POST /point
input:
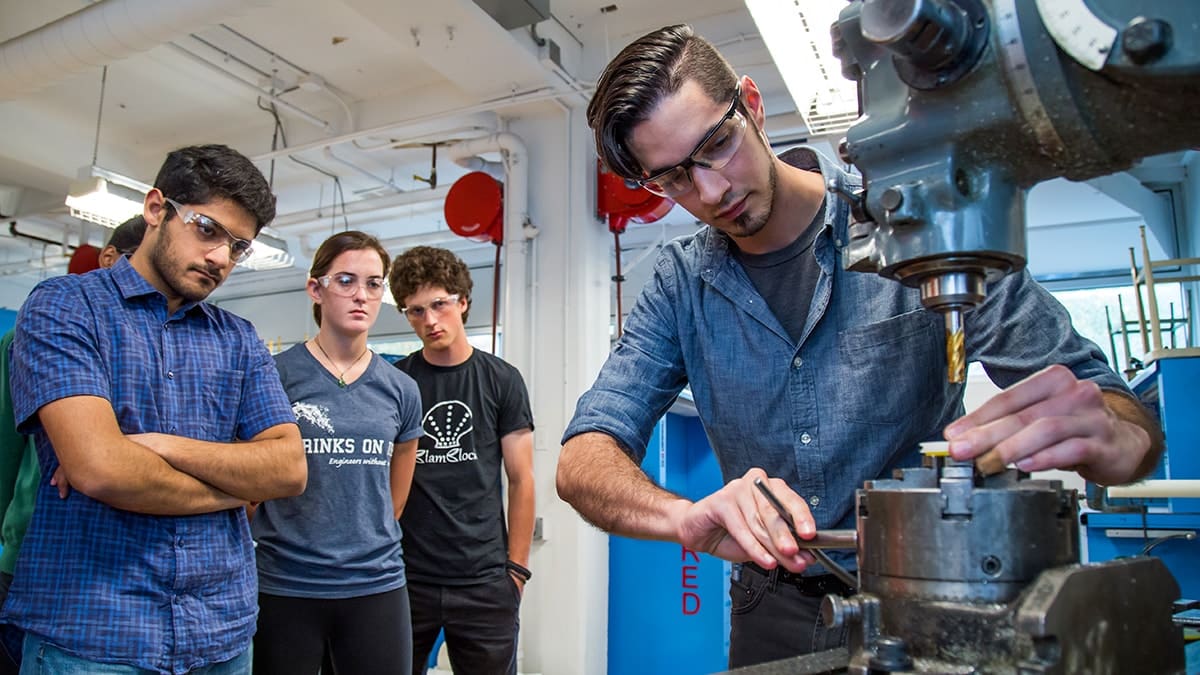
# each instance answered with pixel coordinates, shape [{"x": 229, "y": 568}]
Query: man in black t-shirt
[{"x": 466, "y": 569}]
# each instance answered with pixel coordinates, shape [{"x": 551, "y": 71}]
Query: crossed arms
[{"x": 161, "y": 474}]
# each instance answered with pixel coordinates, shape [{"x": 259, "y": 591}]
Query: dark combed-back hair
[
  {"x": 429, "y": 266},
  {"x": 199, "y": 174},
  {"x": 331, "y": 248},
  {"x": 650, "y": 69}
]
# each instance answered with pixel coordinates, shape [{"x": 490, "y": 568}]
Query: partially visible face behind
[
  {"x": 357, "y": 312},
  {"x": 438, "y": 330},
  {"x": 736, "y": 199},
  {"x": 190, "y": 269}
]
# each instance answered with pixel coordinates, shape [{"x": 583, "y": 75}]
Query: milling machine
[{"x": 965, "y": 105}]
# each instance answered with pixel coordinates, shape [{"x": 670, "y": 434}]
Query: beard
[
  {"x": 174, "y": 272},
  {"x": 751, "y": 223}
]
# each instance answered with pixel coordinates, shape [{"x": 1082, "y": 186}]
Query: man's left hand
[{"x": 1052, "y": 420}]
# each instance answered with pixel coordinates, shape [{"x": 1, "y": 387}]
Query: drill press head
[{"x": 966, "y": 104}]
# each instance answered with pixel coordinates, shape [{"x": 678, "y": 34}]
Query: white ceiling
[{"x": 399, "y": 75}]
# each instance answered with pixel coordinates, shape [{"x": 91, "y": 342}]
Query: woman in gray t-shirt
[{"x": 331, "y": 573}]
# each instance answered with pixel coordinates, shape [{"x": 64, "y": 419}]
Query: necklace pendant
[{"x": 341, "y": 383}]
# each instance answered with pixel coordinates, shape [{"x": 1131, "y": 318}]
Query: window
[{"x": 1087, "y": 308}]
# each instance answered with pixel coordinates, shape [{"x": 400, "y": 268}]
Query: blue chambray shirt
[
  {"x": 168, "y": 594},
  {"x": 851, "y": 401}
]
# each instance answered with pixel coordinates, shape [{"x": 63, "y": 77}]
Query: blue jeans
[{"x": 42, "y": 658}]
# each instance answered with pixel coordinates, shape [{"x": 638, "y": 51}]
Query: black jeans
[
  {"x": 776, "y": 615},
  {"x": 362, "y": 636},
  {"x": 480, "y": 620}
]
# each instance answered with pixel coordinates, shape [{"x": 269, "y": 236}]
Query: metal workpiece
[
  {"x": 1114, "y": 617},
  {"x": 831, "y": 539},
  {"x": 961, "y": 538},
  {"x": 969, "y": 103},
  {"x": 962, "y": 573}
]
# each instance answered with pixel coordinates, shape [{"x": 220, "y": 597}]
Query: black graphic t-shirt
[{"x": 454, "y": 523}]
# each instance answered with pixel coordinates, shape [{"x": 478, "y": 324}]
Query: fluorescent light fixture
[
  {"x": 268, "y": 252},
  {"x": 797, "y": 35},
  {"x": 100, "y": 201}
]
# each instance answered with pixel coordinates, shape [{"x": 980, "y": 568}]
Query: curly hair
[
  {"x": 647, "y": 71},
  {"x": 423, "y": 266}
]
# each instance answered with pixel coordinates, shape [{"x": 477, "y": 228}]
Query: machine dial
[{"x": 1078, "y": 31}]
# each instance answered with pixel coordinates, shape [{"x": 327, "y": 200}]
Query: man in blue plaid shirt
[{"x": 157, "y": 418}]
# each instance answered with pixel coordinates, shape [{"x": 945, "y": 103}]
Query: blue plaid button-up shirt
[{"x": 168, "y": 594}]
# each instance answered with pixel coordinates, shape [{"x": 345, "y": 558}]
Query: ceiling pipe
[
  {"x": 493, "y": 169},
  {"x": 66, "y": 247},
  {"x": 385, "y": 182},
  {"x": 101, "y": 34},
  {"x": 409, "y": 198},
  {"x": 254, "y": 89},
  {"x": 489, "y": 106}
]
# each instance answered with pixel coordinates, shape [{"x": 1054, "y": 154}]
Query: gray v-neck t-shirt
[{"x": 339, "y": 539}]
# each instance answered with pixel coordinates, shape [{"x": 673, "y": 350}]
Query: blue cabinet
[
  {"x": 668, "y": 606},
  {"x": 1124, "y": 527}
]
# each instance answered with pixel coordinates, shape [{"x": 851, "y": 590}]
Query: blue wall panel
[{"x": 668, "y": 606}]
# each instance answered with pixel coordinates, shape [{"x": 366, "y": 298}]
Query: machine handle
[{"x": 835, "y": 539}]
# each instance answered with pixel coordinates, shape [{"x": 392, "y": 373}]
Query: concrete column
[{"x": 559, "y": 339}]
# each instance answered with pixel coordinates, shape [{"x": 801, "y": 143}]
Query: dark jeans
[
  {"x": 480, "y": 621},
  {"x": 367, "y": 635},
  {"x": 776, "y": 615}
]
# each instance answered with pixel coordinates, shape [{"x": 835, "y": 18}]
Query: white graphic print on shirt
[
  {"x": 316, "y": 415},
  {"x": 447, "y": 423}
]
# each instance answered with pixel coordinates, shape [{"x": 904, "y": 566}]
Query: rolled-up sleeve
[
  {"x": 1021, "y": 328},
  {"x": 644, "y": 372}
]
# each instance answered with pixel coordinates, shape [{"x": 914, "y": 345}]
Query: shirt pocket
[
  {"x": 212, "y": 399},
  {"x": 891, "y": 370}
]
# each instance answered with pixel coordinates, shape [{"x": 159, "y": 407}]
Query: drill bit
[{"x": 956, "y": 348}]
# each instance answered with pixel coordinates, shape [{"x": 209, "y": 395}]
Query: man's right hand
[{"x": 738, "y": 524}]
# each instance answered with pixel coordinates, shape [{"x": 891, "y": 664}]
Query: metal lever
[{"x": 837, "y": 570}]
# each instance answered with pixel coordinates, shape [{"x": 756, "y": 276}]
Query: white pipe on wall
[
  {"x": 1155, "y": 489},
  {"x": 517, "y": 232}
]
